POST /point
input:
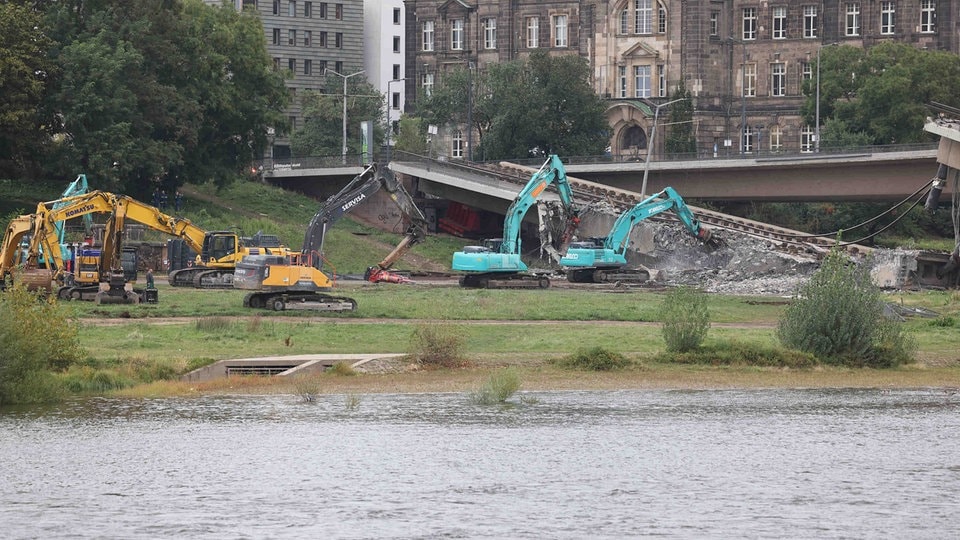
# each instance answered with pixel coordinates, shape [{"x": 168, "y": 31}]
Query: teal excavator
[
  {"x": 603, "y": 259},
  {"x": 497, "y": 262}
]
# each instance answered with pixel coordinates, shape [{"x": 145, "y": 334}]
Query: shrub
[
  {"x": 943, "y": 321},
  {"x": 686, "y": 319},
  {"x": 741, "y": 354},
  {"x": 838, "y": 317},
  {"x": 498, "y": 387},
  {"x": 594, "y": 359},
  {"x": 307, "y": 387},
  {"x": 36, "y": 338},
  {"x": 342, "y": 369},
  {"x": 437, "y": 346}
]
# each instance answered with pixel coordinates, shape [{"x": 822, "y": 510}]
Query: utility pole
[{"x": 650, "y": 144}]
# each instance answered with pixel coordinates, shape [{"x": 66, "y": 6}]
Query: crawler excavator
[
  {"x": 599, "y": 260},
  {"x": 297, "y": 281},
  {"x": 496, "y": 263}
]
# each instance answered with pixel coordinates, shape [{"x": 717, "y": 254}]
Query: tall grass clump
[
  {"x": 37, "y": 338},
  {"x": 437, "y": 345},
  {"x": 685, "y": 317},
  {"x": 307, "y": 387},
  {"x": 214, "y": 324},
  {"x": 593, "y": 359},
  {"x": 498, "y": 388},
  {"x": 838, "y": 317}
]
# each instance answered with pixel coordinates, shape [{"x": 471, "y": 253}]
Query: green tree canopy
[
  {"x": 322, "y": 131},
  {"x": 523, "y": 108},
  {"x": 160, "y": 92},
  {"x": 881, "y": 93},
  {"x": 24, "y": 69},
  {"x": 680, "y": 138}
]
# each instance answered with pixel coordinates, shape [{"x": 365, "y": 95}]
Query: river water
[{"x": 673, "y": 464}]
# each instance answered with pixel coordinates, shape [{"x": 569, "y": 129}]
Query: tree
[
  {"x": 680, "y": 138},
  {"x": 523, "y": 108},
  {"x": 412, "y": 135},
  {"x": 24, "y": 69},
  {"x": 881, "y": 93},
  {"x": 322, "y": 131},
  {"x": 160, "y": 93}
]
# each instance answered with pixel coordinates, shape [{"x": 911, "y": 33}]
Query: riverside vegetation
[{"x": 461, "y": 339}]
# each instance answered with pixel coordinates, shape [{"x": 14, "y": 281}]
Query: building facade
[
  {"x": 383, "y": 55},
  {"x": 743, "y": 61}
]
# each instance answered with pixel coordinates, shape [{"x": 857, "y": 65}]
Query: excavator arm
[
  {"x": 664, "y": 201},
  {"x": 551, "y": 172}
]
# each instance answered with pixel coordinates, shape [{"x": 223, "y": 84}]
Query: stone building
[{"x": 743, "y": 61}]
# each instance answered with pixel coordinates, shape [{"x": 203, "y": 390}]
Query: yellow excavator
[{"x": 297, "y": 281}]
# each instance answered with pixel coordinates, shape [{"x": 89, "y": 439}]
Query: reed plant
[{"x": 498, "y": 387}]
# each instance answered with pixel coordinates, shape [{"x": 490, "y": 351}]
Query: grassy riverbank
[{"x": 499, "y": 328}]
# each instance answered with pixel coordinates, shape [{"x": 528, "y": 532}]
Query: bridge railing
[{"x": 356, "y": 160}]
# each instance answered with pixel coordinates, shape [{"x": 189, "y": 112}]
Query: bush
[
  {"x": 498, "y": 388},
  {"x": 686, "y": 319},
  {"x": 741, "y": 354},
  {"x": 36, "y": 339},
  {"x": 594, "y": 359},
  {"x": 838, "y": 317},
  {"x": 437, "y": 346}
]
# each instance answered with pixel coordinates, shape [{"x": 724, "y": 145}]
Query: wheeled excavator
[
  {"x": 497, "y": 262},
  {"x": 603, "y": 259},
  {"x": 297, "y": 281}
]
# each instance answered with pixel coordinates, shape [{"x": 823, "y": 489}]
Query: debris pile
[{"x": 742, "y": 264}]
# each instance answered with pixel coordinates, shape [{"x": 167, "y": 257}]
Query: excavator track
[{"x": 281, "y": 301}]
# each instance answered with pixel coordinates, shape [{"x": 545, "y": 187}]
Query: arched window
[
  {"x": 625, "y": 21},
  {"x": 634, "y": 137}
]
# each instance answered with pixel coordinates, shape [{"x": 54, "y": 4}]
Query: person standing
[
  {"x": 150, "y": 278},
  {"x": 163, "y": 199},
  {"x": 178, "y": 201}
]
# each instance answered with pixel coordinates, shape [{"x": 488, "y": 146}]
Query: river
[{"x": 626, "y": 464}]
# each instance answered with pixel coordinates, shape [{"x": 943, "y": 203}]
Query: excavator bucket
[{"x": 378, "y": 275}]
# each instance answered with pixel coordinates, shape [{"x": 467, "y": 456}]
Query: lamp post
[
  {"x": 389, "y": 112},
  {"x": 345, "y": 77},
  {"x": 653, "y": 135}
]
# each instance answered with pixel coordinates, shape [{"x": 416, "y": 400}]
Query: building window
[
  {"x": 641, "y": 81},
  {"x": 806, "y": 71},
  {"x": 749, "y": 80},
  {"x": 307, "y": 38},
  {"x": 293, "y": 123},
  {"x": 428, "y": 35},
  {"x": 396, "y": 43},
  {"x": 426, "y": 82},
  {"x": 888, "y": 12},
  {"x": 323, "y": 10},
  {"x": 622, "y": 86},
  {"x": 490, "y": 33},
  {"x": 747, "y": 140},
  {"x": 778, "y": 79},
  {"x": 810, "y": 21},
  {"x": 338, "y": 40},
  {"x": 308, "y": 67},
  {"x": 533, "y": 32},
  {"x": 457, "y": 150},
  {"x": 714, "y": 23},
  {"x": 291, "y": 9},
  {"x": 395, "y": 100},
  {"x": 853, "y": 19},
  {"x": 776, "y": 139},
  {"x": 308, "y": 10},
  {"x": 396, "y": 72},
  {"x": 662, "y": 74},
  {"x": 456, "y": 34},
  {"x": 276, "y": 64},
  {"x": 338, "y": 12},
  {"x": 643, "y": 17},
  {"x": 780, "y": 22},
  {"x": 323, "y": 39},
  {"x": 396, "y": 15},
  {"x": 928, "y": 16},
  {"x": 560, "y": 31},
  {"x": 661, "y": 19},
  {"x": 276, "y": 7},
  {"x": 292, "y": 66},
  {"x": 806, "y": 140},
  {"x": 338, "y": 66},
  {"x": 625, "y": 22},
  {"x": 276, "y": 36},
  {"x": 323, "y": 67},
  {"x": 750, "y": 23},
  {"x": 291, "y": 37}
]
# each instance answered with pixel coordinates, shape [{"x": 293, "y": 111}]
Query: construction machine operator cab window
[{"x": 222, "y": 246}]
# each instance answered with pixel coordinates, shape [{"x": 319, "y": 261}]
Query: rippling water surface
[{"x": 676, "y": 464}]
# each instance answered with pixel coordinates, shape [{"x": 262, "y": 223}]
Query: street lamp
[
  {"x": 389, "y": 111},
  {"x": 345, "y": 77},
  {"x": 816, "y": 127},
  {"x": 653, "y": 135}
]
